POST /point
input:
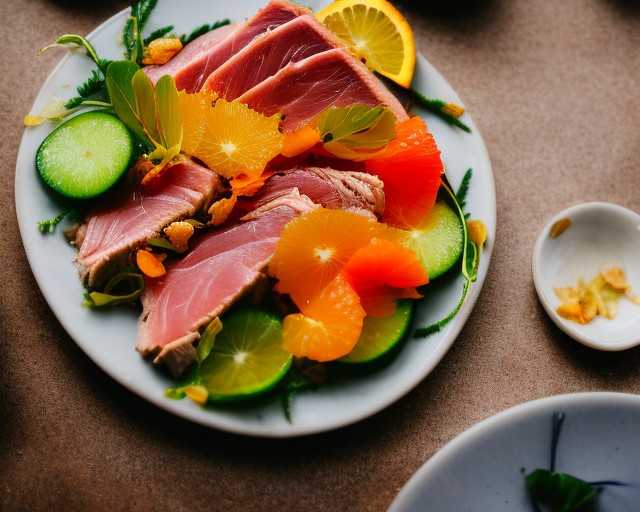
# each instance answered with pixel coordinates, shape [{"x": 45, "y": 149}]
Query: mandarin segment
[
  {"x": 228, "y": 136},
  {"x": 315, "y": 247},
  {"x": 192, "y": 112},
  {"x": 328, "y": 326}
]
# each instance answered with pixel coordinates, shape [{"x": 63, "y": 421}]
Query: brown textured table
[{"x": 554, "y": 90}]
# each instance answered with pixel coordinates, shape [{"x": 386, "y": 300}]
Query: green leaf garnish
[
  {"x": 169, "y": 119},
  {"x": 152, "y": 114},
  {"x": 119, "y": 83},
  {"x": 158, "y": 34},
  {"x": 74, "y": 40},
  {"x": 208, "y": 339},
  {"x": 49, "y": 226},
  {"x": 161, "y": 243},
  {"x": 132, "y": 32},
  {"x": 560, "y": 491},
  {"x": 123, "y": 288},
  {"x": 91, "y": 92},
  {"x": 358, "y": 126},
  {"x": 463, "y": 189},
  {"x": 145, "y": 104}
]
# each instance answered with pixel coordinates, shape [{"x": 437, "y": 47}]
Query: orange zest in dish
[{"x": 597, "y": 297}]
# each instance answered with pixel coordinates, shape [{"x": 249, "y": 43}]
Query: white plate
[
  {"x": 109, "y": 338},
  {"x": 484, "y": 468}
]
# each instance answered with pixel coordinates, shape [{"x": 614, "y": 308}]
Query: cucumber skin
[
  {"x": 408, "y": 307},
  {"x": 54, "y": 184},
  {"x": 444, "y": 263}
]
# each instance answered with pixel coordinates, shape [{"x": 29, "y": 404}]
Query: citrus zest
[
  {"x": 377, "y": 33},
  {"x": 148, "y": 264}
]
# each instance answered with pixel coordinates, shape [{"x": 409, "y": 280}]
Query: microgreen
[
  {"x": 91, "y": 92},
  {"x": 49, "y": 226},
  {"x": 157, "y": 34},
  {"x": 304, "y": 375}
]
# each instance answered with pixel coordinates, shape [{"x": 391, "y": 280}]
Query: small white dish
[{"x": 599, "y": 235}]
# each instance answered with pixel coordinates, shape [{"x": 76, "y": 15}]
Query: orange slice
[
  {"x": 315, "y": 247},
  {"x": 228, "y": 136},
  {"x": 377, "y": 33}
]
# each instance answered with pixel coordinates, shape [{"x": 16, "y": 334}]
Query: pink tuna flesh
[
  {"x": 192, "y": 76},
  {"x": 180, "y": 66},
  {"x": 331, "y": 188},
  {"x": 132, "y": 217},
  {"x": 221, "y": 266},
  {"x": 266, "y": 55},
  {"x": 304, "y": 89}
]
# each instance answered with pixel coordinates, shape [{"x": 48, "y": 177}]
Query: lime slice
[
  {"x": 86, "y": 155},
  {"x": 438, "y": 241},
  {"x": 247, "y": 357},
  {"x": 380, "y": 335}
]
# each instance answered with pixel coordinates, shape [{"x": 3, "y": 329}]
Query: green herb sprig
[
  {"x": 448, "y": 112},
  {"x": 132, "y": 33},
  {"x": 201, "y": 30},
  {"x": 470, "y": 255}
]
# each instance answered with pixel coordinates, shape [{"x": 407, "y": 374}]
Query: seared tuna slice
[
  {"x": 180, "y": 66},
  {"x": 192, "y": 76},
  {"x": 304, "y": 89},
  {"x": 344, "y": 190},
  {"x": 221, "y": 266},
  {"x": 135, "y": 214},
  {"x": 269, "y": 53}
]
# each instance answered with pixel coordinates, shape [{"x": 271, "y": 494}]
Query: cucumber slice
[
  {"x": 438, "y": 242},
  {"x": 247, "y": 357},
  {"x": 380, "y": 335},
  {"x": 86, "y": 155}
]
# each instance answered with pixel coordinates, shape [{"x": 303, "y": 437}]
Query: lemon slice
[{"x": 377, "y": 33}]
